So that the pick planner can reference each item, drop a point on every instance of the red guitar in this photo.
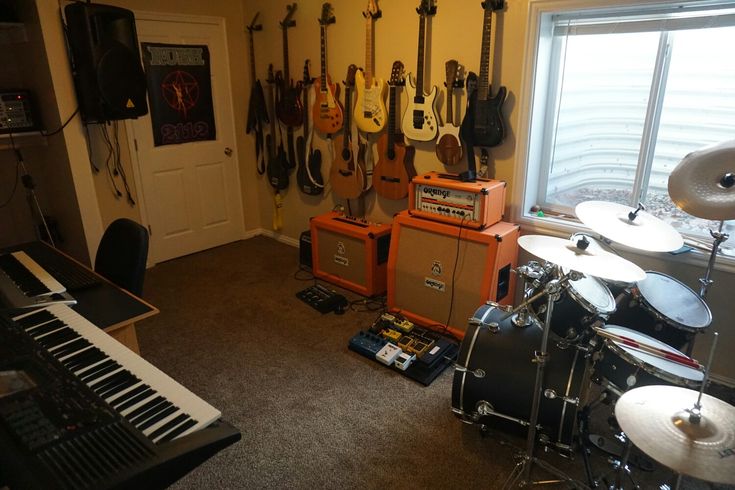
(326, 111)
(394, 169)
(348, 179)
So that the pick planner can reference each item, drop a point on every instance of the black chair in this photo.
(122, 255)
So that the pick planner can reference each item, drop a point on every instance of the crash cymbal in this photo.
(643, 232)
(703, 184)
(656, 420)
(570, 256)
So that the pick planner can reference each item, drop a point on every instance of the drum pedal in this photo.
(615, 449)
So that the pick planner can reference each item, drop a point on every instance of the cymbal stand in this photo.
(521, 474)
(533, 275)
(718, 237)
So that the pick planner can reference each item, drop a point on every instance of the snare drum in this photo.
(494, 381)
(663, 308)
(626, 367)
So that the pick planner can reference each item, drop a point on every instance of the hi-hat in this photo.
(703, 184)
(571, 256)
(657, 420)
(629, 226)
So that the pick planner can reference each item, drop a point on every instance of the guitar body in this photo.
(391, 176)
(309, 176)
(486, 119)
(288, 104)
(448, 147)
(348, 180)
(419, 121)
(327, 110)
(276, 169)
(370, 114)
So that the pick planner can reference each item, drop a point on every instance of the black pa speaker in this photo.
(108, 75)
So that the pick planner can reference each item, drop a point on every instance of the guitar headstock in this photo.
(350, 78)
(452, 67)
(427, 7)
(327, 15)
(253, 25)
(396, 75)
(288, 21)
(372, 11)
(307, 76)
(271, 78)
(493, 5)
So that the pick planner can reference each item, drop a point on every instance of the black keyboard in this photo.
(21, 276)
(72, 276)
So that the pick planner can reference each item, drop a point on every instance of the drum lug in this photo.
(477, 373)
(551, 395)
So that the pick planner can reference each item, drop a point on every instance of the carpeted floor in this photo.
(312, 413)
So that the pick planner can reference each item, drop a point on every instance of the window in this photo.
(620, 95)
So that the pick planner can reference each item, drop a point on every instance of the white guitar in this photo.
(370, 113)
(419, 120)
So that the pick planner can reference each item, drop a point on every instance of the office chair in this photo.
(122, 255)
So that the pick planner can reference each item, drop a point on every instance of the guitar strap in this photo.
(257, 119)
(291, 149)
(308, 154)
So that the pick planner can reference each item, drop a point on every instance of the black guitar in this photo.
(484, 119)
(257, 110)
(288, 95)
(276, 169)
(309, 174)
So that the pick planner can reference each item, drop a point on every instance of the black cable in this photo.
(454, 274)
(44, 133)
(119, 165)
(17, 171)
(111, 171)
(299, 274)
(95, 169)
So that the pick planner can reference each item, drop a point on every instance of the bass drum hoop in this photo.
(647, 306)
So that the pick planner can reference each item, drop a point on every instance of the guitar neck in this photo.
(286, 72)
(483, 83)
(369, 52)
(450, 103)
(272, 108)
(348, 117)
(420, 62)
(323, 76)
(392, 101)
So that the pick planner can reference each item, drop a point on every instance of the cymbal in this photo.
(644, 232)
(656, 420)
(594, 262)
(703, 184)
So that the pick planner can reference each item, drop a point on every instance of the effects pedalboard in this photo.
(323, 300)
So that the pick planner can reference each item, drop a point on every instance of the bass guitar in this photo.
(288, 96)
(348, 179)
(257, 110)
(326, 111)
(370, 114)
(484, 118)
(276, 169)
(394, 169)
(419, 119)
(448, 146)
(309, 173)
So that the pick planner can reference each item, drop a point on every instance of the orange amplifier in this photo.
(439, 274)
(445, 198)
(350, 252)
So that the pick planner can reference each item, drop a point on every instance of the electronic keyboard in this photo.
(25, 284)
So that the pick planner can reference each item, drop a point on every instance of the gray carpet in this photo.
(312, 413)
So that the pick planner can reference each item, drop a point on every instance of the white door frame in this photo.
(132, 146)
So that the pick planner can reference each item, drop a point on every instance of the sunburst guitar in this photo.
(326, 111)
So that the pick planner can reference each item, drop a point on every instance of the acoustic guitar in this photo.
(448, 146)
(326, 111)
(309, 173)
(257, 110)
(394, 170)
(276, 169)
(348, 178)
(370, 114)
(419, 119)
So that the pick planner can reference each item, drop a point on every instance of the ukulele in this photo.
(276, 169)
(370, 106)
(326, 111)
(257, 110)
(448, 147)
(394, 169)
(309, 173)
(348, 179)
(484, 119)
(419, 119)
(288, 96)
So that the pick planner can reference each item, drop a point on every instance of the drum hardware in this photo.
(551, 395)
(477, 373)
(717, 238)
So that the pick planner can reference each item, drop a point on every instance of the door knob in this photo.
(228, 151)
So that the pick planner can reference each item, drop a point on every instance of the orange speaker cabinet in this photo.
(350, 252)
(439, 274)
(444, 197)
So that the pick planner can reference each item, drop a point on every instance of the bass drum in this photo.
(495, 376)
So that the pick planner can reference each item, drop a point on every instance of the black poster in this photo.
(180, 93)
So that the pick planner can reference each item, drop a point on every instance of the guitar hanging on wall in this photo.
(309, 173)
(419, 120)
(288, 96)
(370, 114)
(448, 145)
(348, 179)
(395, 169)
(327, 110)
(276, 169)
(257, 110)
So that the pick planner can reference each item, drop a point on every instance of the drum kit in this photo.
(578, 335)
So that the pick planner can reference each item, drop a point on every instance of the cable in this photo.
(454, 274)
(44, 133)
(95, 169)
(301, 271)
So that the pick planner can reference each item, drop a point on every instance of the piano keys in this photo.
(25, 284)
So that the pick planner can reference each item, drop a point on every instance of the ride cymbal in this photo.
(657, 421)
(629, 226)
(571, 256)
(703, 184)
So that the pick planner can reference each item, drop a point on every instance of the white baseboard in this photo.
(271, 234)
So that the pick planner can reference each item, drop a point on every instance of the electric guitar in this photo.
(348, 179)
(326, 111)
(309, 173)
(370, 114)
(448, 146)
(288, 96)
(276, 169)
(484, 118)
(419, 119)
(257, 110)
(394, 169)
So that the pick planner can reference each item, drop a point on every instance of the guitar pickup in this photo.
(418, 119)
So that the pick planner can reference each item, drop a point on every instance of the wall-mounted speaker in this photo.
(108, 75)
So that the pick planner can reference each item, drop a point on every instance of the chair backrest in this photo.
(122, 254)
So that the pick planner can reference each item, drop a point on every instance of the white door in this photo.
(191, 191)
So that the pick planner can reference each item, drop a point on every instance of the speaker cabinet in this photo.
(350, 252)
(439, 274)
(108, 75)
